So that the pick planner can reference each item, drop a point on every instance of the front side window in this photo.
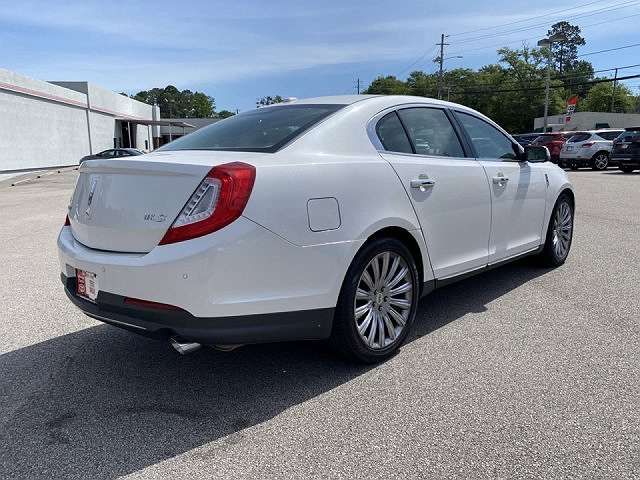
(488, 141)
(431, 132)
(261, 130)
(392, 135)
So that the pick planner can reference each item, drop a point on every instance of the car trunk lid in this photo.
(128, 205)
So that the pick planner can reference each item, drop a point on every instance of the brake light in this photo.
(66, 221)
(587, 145)
(219, 200)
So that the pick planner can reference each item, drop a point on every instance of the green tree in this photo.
(389, 85)
(224, 114)
(268, 100)
(174, 103)
(599, 99)
(565, 53)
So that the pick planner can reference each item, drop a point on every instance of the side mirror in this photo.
(536, 154)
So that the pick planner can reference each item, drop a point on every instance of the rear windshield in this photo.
(261, 130)
(579, 137)
(609, 135)
(628, 135)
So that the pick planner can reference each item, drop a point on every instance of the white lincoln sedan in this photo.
(324, 218)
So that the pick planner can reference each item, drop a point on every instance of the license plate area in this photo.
(87, 285)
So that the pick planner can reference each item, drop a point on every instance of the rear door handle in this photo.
(500, 179)
(422, 184)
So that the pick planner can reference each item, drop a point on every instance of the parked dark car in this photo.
(554, 142)
(626, 150)
(114, 153)
(525, 139)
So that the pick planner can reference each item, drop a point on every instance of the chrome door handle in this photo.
(422, 182)
(500, 180)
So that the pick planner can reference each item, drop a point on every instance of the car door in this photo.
(518, 189)
(448, 190)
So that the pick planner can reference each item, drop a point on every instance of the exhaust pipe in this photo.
(184, 347)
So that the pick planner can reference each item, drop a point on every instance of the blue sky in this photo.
(238, 51)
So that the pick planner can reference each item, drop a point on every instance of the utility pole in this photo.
(358, 85)
(613, 91)
(441, 62)
(548, 43)
(546, 91)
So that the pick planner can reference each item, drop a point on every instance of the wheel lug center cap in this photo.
(379, 298)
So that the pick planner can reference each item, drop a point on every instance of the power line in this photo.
(524, 20)
(419, 59)
(559, 78)
(610, 50)
(538, 25)
(502, 44)
(531, 89)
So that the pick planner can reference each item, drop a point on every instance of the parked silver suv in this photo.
(590, 148)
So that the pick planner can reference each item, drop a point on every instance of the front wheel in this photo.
(377, 302)
(559, 233)
(600, 161)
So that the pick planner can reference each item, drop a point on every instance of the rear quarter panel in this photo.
(369, 194)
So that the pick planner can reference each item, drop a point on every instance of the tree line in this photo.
(512, 90)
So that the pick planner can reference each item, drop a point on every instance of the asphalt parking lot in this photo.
(518, 373)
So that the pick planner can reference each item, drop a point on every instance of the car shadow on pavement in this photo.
(101, 403)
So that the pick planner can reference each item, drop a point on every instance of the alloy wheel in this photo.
(562, 230)
(383, 300)
(601, 161)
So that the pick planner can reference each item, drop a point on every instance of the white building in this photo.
(588, 121)
(46, 124)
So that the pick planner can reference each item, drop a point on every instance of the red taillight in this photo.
(587, 145)
(219, 200)
(66, 221)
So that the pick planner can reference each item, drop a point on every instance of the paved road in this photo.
(518, 373)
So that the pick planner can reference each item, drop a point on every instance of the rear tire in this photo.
(377, 303)
(559, 233)
(600, 161)
(626, 168)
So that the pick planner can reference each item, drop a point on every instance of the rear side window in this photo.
(261, 130)
(488, 141)
(431, 132)
(392, 135)
(579, 137)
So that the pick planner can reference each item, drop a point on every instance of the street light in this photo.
(548, 42)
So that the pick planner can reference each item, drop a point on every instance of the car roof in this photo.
(383, 101)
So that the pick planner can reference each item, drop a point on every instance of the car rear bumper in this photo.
(626, 159)
(162, 323)
(242, 269)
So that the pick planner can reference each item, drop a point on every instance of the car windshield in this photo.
(579, 137)
(261, 130)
